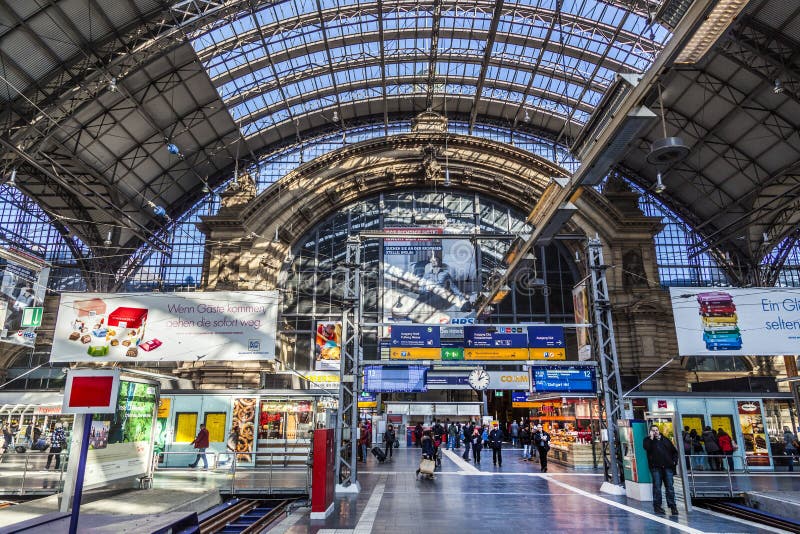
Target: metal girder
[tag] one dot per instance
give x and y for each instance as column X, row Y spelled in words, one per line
column 350, row 370
column 530, row 15
column 430, row 80
column 330, row 65
column 383, row 68
column 487, row 56
column 606, row 351
column 765, row 52
column 772, row 270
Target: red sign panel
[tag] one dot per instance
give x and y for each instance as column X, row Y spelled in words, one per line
column 89, row 391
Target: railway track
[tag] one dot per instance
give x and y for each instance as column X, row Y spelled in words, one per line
column 242, row 516
column 750, row 514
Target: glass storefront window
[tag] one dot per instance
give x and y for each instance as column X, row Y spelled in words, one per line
column 285, row 419
column 778, row 414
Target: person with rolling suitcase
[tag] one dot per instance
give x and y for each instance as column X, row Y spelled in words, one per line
column 389, row 438
column 427, row 464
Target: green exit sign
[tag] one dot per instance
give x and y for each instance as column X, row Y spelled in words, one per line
column 32, row 317
column 498, row 393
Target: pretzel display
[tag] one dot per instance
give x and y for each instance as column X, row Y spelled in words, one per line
column 244, row 413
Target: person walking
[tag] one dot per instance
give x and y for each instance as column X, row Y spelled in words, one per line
column 201, row 444
column 712, row 449
column 451, row 436
column 686, row 437
column 525, row 439
column 438, row 431
column 418, row 434
column 496, row 444
column 469, row 429
column 388, row 441
column 57, row 442
column 514, row 434
column 790, row 446
column 541, row 439
column 233, row 443
column 363, row 441
column 662, row 457
column 477, row 445
column 725, row 446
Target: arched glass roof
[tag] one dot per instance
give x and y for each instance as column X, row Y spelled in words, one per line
column 544, row 63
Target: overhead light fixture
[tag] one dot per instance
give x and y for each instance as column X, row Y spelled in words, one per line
column 527, row 116
column 335, row 116
column 778, row 87
column 112, row 85
column 107, row 242
column 501, row 294
column 12, row 179
column 173, row 149
column 717, row 22
column 659, row 187
column 276, row 238
column 765, row 235
column 446, row 178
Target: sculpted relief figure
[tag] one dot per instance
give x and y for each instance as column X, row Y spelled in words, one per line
column 239, row 192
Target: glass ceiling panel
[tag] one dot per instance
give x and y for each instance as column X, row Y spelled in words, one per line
column 295, row 57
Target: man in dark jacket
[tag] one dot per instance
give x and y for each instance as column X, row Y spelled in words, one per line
column 662, row 457
column 201, row 444
column 468, row 431
column 388, row 439
column 541, row 440
column 496, row 444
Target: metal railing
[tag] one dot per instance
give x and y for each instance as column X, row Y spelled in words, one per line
column 25, row 473
column 726, row 475
column 264, row 473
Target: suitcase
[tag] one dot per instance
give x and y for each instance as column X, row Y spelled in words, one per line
column 377, row 452
column 427, row 467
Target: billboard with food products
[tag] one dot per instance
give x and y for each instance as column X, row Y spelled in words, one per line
column 220, row 325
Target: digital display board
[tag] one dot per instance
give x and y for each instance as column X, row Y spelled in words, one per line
column 552, row 379
column 391, row 379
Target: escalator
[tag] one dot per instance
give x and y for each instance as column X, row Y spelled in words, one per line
column 735, row 509
column 243, row 516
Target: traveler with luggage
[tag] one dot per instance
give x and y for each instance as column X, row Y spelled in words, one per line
column 541, row 439
column 363, row 441
column 388, row 440
column 428, row 462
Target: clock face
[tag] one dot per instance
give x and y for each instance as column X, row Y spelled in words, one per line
column 479, row 379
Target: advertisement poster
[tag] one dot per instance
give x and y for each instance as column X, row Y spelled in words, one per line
column 148, row 327
column 20, row 287
column 428, row 280
column 736, row 321
column 121, row 444
column 328, row 346
column 580, row 303
column 753, row 433
column 244, row 413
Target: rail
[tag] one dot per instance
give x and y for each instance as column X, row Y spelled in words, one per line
column 265, row 473
column 27, row 473
column 730, row 475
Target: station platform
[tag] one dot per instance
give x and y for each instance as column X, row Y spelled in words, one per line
column 513, row 498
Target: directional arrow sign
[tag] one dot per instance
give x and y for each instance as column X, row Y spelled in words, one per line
column 546, row 337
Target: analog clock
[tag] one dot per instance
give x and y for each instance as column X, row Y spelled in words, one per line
column 479, row 379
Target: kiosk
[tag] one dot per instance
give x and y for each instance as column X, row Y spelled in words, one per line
column 638, row 482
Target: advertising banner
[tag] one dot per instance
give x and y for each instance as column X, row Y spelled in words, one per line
column 753, row 432
column 328, row 346
column 428, row 280
column 509, row 380
column 121, row 444
column 736, row 321
column 22, row 291
column 130, row 327
column 580, row 305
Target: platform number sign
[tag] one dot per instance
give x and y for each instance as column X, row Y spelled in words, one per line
column 32, row 317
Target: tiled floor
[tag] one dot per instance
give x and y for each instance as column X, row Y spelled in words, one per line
column 514, row 498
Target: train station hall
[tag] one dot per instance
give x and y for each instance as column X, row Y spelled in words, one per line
column 355, row 266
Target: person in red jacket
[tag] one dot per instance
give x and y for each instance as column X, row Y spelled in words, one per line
column 726, row 446
column 201, row 444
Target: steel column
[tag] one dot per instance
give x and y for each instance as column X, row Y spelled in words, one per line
column 606, row 351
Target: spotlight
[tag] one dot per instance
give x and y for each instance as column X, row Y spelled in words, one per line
column 159, row 211
column 112, row 85
column 173, row 149
column 527, row 116
column 659, row 187
column 778, row 87
column 107, row 242
column 335, row 116
column 11, row 182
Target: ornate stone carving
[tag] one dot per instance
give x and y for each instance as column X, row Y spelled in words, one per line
column 239, row 192
column 634, row 274
column 430, row 166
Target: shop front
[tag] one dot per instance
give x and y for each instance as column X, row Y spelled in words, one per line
column 755, row 422
column 572, row 424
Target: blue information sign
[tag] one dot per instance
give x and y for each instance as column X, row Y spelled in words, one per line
column 496, row 337
column 552, row 379
column 418, row 336
column 546, row 337
column 390, row 379
column 447, row 380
